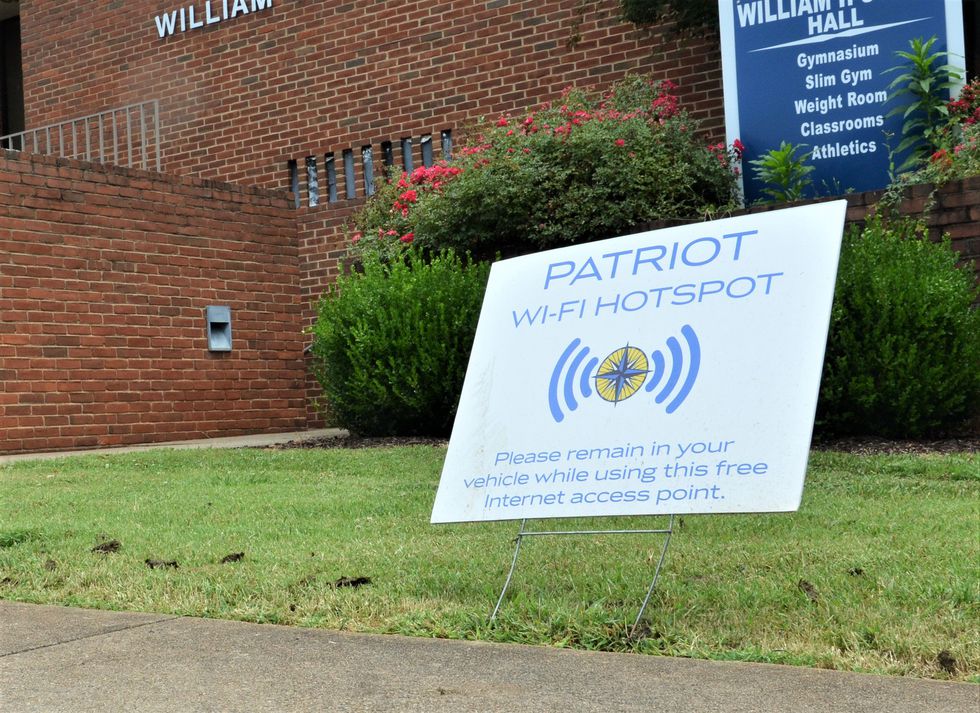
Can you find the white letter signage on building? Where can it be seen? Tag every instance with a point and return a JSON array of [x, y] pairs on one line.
[[204, 14], [673, 371], [812, 72]]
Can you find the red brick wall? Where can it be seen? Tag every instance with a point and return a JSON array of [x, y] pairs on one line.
[[241, 97], [956, 212], [321, 247], [321, 251], [104, 278], [953, 209]]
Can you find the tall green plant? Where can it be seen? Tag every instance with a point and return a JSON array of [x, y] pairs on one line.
[[922, 90], [785, 174]]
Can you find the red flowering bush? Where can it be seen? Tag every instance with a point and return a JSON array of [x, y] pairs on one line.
[[960, 156], [958, 152], [966, 108], [580, 169], [384, 224]]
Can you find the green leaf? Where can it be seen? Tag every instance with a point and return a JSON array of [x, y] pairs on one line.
[[901, 79], [907, 143]]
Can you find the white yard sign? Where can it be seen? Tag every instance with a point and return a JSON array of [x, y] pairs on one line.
[[674, 371]]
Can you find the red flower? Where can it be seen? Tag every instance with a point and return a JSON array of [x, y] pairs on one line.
[[665, 105], [620, 142], [502, 121], [407, 237], [409, 196], [739, 147]]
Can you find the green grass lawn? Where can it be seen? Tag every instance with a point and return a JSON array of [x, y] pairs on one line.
[[890, 545]]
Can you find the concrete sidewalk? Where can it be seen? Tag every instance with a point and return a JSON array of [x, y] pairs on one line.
[[257, 440], [62, 659]]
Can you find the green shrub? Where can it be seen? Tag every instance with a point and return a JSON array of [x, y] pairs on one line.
[[391, 343], [785, 174], [585, 168], [690, 16], [903, 356]]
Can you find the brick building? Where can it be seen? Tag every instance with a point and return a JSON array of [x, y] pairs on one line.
[[216, 109]]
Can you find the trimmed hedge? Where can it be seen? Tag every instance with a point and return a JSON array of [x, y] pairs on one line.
[[391, 343], [903, 356]]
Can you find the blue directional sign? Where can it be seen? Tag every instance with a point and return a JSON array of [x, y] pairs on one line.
[[812, 73]]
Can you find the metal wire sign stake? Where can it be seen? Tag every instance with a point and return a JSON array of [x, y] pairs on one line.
[[523, 532]]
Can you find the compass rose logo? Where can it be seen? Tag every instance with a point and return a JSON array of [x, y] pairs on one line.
[[667, 374], [621, 374]]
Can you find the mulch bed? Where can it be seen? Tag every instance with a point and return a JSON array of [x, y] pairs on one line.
[[358, 442], [855, 445], [882, 446]]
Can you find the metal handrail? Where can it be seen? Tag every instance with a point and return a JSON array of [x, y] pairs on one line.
[[112, 130]]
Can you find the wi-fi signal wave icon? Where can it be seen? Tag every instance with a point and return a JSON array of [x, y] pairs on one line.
[[623, 373]]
